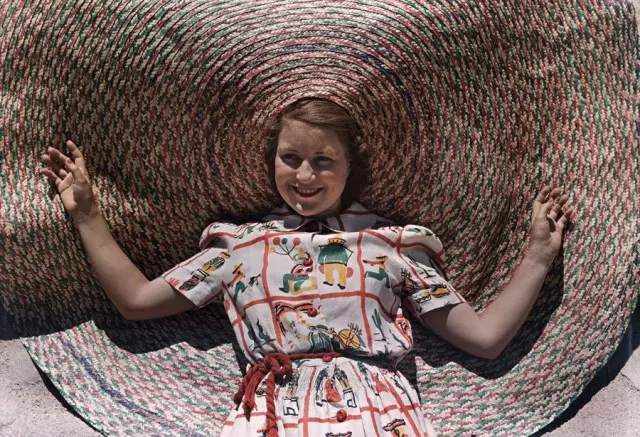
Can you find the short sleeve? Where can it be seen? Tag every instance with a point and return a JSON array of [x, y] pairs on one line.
[[200, 278], [422, 282]]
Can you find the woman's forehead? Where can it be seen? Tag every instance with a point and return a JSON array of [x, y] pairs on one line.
[[302, 137], [325, 149]]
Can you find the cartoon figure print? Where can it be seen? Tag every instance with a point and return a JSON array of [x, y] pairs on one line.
[[322, 376], [420, 295], [401, 323], [396, 428], [248, 228], [408, 286], [326, 389], [381, 274], [200, 274], [425, 271], [426, 232], [428, 271], [404, 327], [260, 338], [333, 259], [372, 380], [351, 338], [282, 310], [299, 279], [237, 280], [347, 390], [290, 406]]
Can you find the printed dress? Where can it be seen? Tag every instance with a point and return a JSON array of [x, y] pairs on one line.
[[323, 299]]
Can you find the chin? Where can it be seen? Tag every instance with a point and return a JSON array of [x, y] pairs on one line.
[[310, 210]]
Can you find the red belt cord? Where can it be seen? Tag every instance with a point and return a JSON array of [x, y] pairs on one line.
[[273, 365]]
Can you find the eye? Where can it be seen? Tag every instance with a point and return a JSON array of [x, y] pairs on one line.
[[291, 160], [324, 161]]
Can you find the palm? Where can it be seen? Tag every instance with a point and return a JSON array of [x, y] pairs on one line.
[[69, 193], [70, 178], [547, 223]]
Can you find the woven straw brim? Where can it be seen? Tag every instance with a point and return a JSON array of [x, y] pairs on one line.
[[467, 109]]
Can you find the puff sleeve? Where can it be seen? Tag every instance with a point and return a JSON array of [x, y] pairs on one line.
[[200, 278], [421, 283]]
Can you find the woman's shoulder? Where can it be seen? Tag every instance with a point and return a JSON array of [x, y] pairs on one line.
[[232, 232], [380, 222], [216, 231], [418, 230], [409, 234]]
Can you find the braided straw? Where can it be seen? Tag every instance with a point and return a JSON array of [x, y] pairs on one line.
[[466, 108]]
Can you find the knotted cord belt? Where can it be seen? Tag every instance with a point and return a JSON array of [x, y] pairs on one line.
[[273, 365]]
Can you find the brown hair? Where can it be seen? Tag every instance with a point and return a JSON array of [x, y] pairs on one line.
[[325, 113]]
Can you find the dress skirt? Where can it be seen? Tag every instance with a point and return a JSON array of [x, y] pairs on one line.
[[336, 397]]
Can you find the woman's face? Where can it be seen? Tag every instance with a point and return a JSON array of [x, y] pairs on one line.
[[311, 168]]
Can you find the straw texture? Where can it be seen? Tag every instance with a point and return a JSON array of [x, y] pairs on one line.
[[467, 109]]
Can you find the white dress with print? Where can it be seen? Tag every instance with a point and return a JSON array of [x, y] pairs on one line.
[[294, 285]]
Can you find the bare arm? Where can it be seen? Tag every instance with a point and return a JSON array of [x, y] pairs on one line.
[[130, 291], [128, 288], [487, 334]]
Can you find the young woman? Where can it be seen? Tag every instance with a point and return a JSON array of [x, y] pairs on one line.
[[315, 292]]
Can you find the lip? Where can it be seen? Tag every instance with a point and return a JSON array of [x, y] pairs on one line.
[[310, 191]]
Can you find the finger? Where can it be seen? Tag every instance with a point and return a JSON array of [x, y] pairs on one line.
[[554, 193], [55, 167], [548, 204], [545, 209], [56, 184], [51, 177], [565, 219], [540, 199], [57, 157], [75, 171], [76, 155], [542, 194], [556, 210]]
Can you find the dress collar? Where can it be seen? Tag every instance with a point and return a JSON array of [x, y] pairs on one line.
[[353, 219]]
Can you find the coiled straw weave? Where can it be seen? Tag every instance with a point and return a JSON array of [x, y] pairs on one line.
[[467, 109]]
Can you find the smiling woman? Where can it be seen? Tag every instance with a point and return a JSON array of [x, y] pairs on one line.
[[465, 116], [316, 162], [311, 168]]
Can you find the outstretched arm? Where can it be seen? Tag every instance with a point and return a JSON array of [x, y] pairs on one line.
[[487, 334], [130, 291]]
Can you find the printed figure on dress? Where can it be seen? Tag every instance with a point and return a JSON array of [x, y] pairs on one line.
[[324, 352]]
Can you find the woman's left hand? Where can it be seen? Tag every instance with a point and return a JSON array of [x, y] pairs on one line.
[[548, 220]]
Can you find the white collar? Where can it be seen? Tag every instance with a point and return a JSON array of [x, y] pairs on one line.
[[355, 218]]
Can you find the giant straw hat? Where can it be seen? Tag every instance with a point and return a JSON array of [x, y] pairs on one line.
[[466, 110]]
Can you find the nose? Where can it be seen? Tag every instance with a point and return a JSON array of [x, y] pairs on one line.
[[305, 172]]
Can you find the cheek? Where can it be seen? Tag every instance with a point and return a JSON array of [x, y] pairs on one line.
[[338, 176], [281, 172]]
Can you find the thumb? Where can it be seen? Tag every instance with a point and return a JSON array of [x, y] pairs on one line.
[[565, 219]]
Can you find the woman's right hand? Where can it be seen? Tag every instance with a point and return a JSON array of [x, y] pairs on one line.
[[70, 177]]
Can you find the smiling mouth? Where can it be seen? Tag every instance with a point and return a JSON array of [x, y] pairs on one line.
[[306, 192]]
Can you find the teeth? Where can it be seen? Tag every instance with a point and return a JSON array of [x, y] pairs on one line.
[[303, 191]]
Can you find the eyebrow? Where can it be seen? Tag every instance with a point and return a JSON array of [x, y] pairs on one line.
[[324, 151], [327, 151]]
